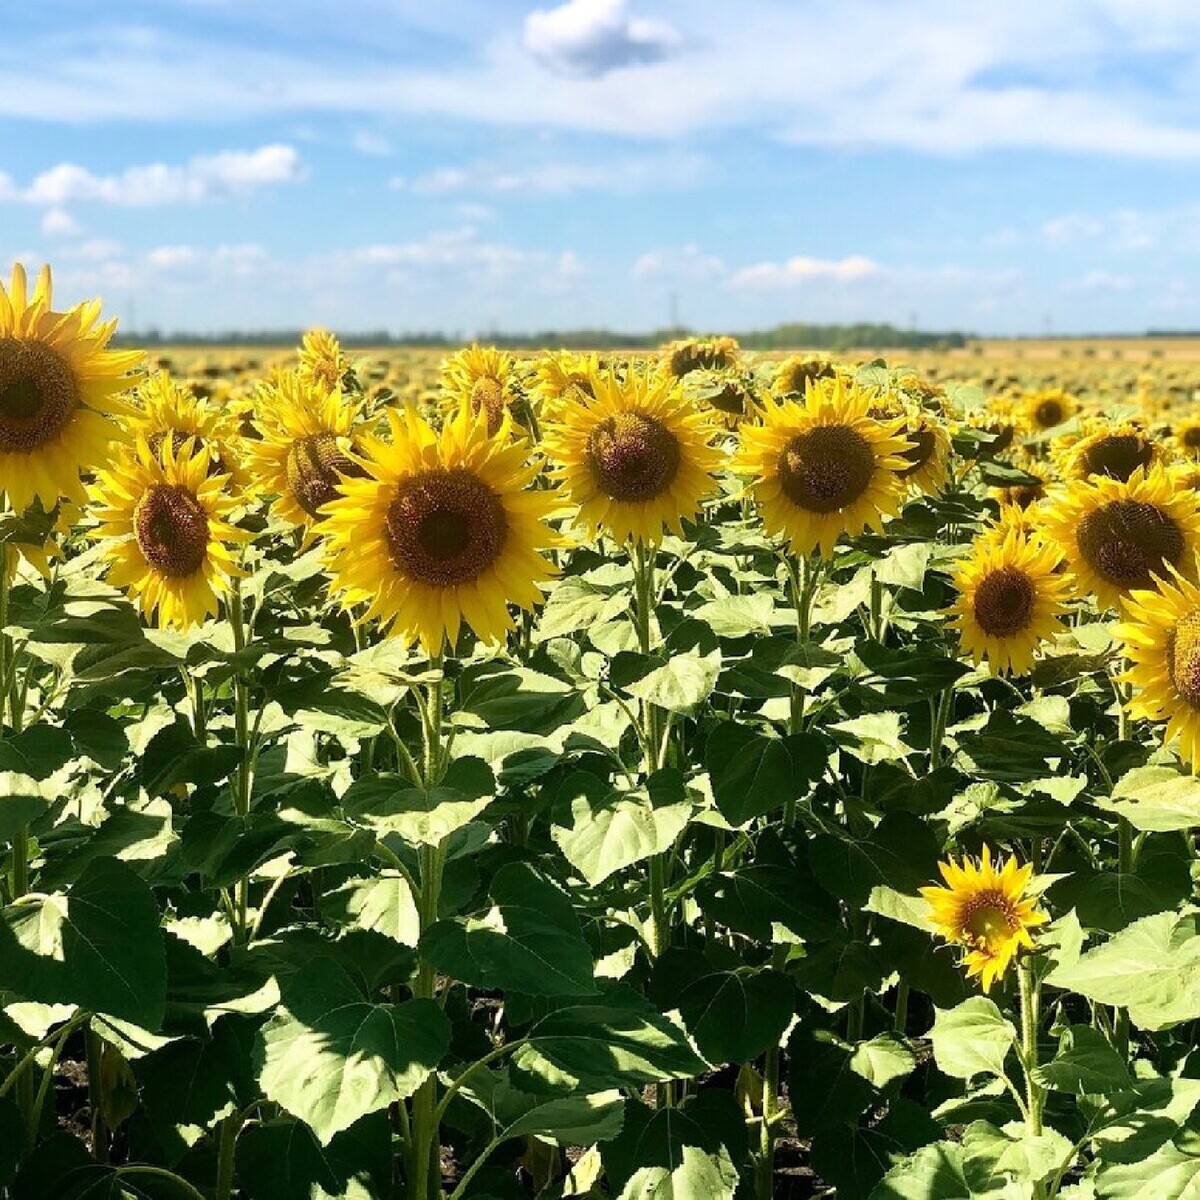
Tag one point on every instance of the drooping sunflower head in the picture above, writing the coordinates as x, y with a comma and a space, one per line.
637, 458
170, 411
1028, 493
305, 448
927, 459
1161, 637
1116, 536
796, 372
164, 519
824, 467
563, 379
59, 385
485, 378
680, 358
984, 909
443, 530
1047, 409
1000, 420
322, 361
1111, 450
727, 396
1011, 598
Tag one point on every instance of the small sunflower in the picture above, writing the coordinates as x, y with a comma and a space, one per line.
823, 467
1000, 420
1010, 599
636, 458
730, 398
680, 358
322, 362
1111, 450
793, 374
984, 909
927, 460
563, 379
59, 384
305, 448
171, 411
484, 376
1115, 536
169, 541
443, 530
1186, 436
1047, 409
1161, 633
1025, 495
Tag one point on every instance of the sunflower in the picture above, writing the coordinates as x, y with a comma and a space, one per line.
793, 374
680, 358
304, 451
1010, 600
486, 377
443, 530
823, 467
1116, 535
33, 537
1047, 409
165, 520
1000, 420
1028, 494
927, 460
59, 383
322, 362
171, 411
636, 457
1112, 450
983, 908
1186, 436
562, 379
1161, 634
728, 397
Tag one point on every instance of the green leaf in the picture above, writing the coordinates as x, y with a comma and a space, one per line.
383, 904
1156, 799
738, 616
755, 899
736, 1015
753, 774
683, 683
884, 1059
329, 1056
1152, 968
932, 1173
602, 830
576, 605
972, 1038
37, 751
991, 1155
901, 853
1085, 1063
873, 737
22, 800
98, 945
528, 941
573, 1120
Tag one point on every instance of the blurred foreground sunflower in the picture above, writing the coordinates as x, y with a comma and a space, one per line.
984, 909
1047, 409
443, 530
169, 542
59, 384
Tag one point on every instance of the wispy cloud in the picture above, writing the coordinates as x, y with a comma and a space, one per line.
802, 269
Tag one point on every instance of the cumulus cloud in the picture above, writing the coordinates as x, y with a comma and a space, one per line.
58, 223
801, 269
205, 177
677, 264
589, 38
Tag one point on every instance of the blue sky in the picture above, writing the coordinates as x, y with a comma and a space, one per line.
520, 164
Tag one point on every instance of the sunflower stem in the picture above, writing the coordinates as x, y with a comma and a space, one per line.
770, 1103
1034, 1095
243, 781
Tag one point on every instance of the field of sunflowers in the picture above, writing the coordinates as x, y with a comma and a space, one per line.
647, 777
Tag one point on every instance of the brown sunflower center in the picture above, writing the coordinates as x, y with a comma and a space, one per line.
1023, 495
633, 457
919, 453
315, 465
1191, 437
38, 395
1004, 602
800, 373
1183, 657
172, 530
1125, 540
1049, 412
1004, 434
827, 468
488, 396
1117, 456
445, 527
988, 919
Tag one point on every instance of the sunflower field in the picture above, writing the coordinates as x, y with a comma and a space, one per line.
645, 777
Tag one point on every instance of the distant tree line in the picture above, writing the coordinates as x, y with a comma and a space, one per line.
782, 337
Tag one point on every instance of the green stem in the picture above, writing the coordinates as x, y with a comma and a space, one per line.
1030, 998
457, 1085
243, 781
900, 1024
160, 1173
941, 718
770, 1103
95, 1080
226, 1152
660, 931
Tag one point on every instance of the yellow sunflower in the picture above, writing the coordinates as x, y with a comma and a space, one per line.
1010, 599
636, 457
165, 521
1161, 634
927, 460
823, 467
305, 448
1111, 450
484, 376
33, 537
171, 411
1047, 409
1186, 436
984, 909
1116, 535
322, 362
1000, 420
1025, 495
444, 529
563, 378
793, 374
680, 358
59, 384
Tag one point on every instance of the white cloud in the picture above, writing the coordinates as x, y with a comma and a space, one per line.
1128, 229
589, 38
58, 223
802, 269
373, 145
205, 177
677, 264
1100, 281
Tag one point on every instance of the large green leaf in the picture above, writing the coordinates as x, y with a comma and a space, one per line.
529, 940
1157, 799
22, 799
735, 1015
1085, 1063
972, 1039
753, 774
932, 1173
98, 945
682, 683
329, 1056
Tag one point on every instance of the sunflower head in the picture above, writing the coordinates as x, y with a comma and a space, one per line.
59, 384
164, 519
1186, 436
636, 457
681, 357
1114, 451
322, 361
1025, 495
1011, 598
483, 377
1116, 536
563, 379
795, 373
927, 459
1047, 409
984, 909
443, 530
